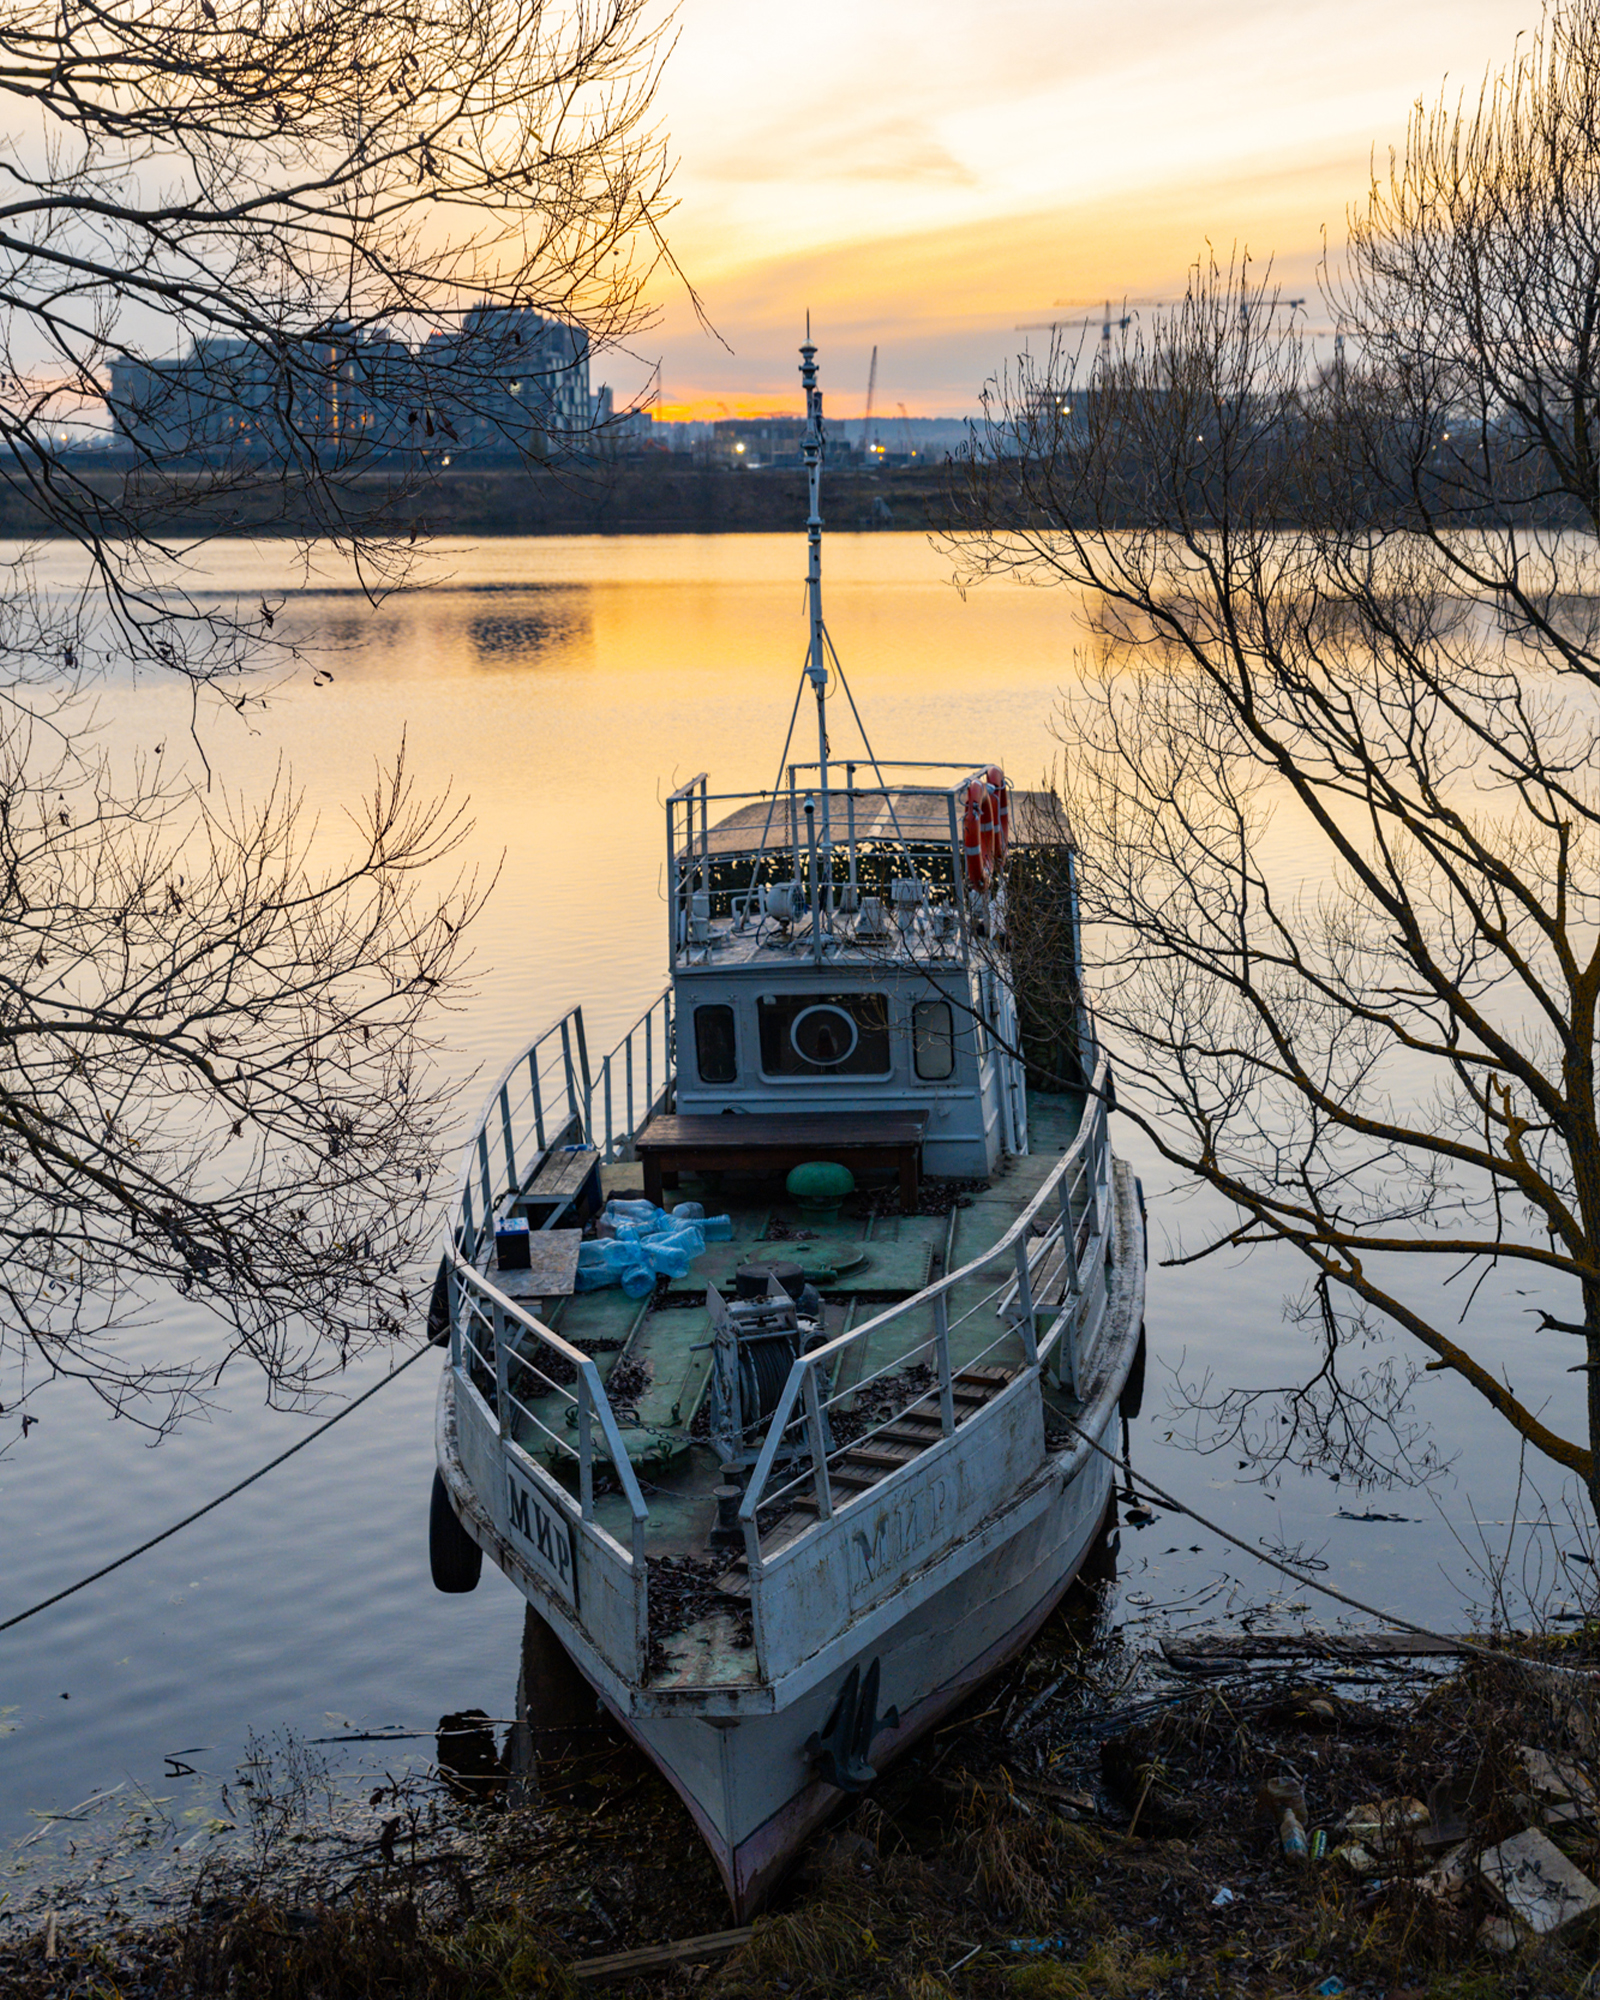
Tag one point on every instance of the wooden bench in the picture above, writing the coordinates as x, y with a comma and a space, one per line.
765, 1144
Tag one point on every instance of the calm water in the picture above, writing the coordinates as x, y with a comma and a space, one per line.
566, 687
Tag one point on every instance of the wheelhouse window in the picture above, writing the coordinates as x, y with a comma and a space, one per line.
716, 1052
840, 1034
933, 1040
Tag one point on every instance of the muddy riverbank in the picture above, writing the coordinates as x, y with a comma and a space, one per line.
1093, 1823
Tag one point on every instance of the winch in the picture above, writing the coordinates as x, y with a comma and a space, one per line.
757, 1337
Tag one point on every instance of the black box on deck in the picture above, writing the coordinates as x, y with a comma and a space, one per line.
512, 1249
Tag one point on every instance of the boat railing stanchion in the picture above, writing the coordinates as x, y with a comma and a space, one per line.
585, 1447
583, 1065
538, 1095
811, 855
627, 1076
641, 1597
505, 1133
1026, 1325
566, 1060
850, 825
941, 1348
485, 1176
818, 1432
502, 1386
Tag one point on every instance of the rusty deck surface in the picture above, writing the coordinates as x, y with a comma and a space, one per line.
859, 1262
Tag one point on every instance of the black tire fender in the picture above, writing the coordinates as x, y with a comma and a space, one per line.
454, 1558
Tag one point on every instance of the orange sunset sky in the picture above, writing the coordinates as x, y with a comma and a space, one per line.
928, 176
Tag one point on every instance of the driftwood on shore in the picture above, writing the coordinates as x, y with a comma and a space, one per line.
1209, 1652
656, 1957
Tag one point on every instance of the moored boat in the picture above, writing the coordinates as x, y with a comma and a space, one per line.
782, 1340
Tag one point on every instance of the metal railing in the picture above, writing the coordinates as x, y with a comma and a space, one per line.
547, 1401
635, 1081
548, 1097
1060, 1236
715, 869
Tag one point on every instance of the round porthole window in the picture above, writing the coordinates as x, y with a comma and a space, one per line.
823, 1036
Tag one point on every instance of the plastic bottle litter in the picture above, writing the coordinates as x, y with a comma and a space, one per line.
623, 1211
641, 1243
1284, 1802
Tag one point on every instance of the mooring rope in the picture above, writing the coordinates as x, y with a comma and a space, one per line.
1451, 1642
260, 1473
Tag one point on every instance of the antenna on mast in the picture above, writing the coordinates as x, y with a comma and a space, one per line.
816, 653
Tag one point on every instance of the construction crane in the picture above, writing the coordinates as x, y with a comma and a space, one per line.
1131, 308
905, 431
1105, 321
866, 421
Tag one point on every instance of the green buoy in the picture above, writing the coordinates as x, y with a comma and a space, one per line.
819, 1187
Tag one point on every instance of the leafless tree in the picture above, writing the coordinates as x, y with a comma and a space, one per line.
296, 244
1334, 760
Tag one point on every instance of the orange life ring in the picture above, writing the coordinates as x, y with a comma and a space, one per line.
1002, 800
978, 830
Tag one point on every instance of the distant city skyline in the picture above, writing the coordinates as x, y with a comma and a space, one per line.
926, 183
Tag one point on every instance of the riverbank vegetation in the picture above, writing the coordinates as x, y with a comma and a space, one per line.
1092, 1824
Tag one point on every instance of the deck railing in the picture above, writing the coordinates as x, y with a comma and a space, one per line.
549, 1097
714, 869
635, 1081
1060, 1236
515, 1362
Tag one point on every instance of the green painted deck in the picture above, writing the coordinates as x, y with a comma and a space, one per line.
860, 1265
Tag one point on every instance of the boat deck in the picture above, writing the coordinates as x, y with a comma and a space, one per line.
654, 1354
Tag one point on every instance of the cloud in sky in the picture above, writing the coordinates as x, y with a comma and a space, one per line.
926, 178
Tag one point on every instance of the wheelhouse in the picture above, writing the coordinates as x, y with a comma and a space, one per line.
850, 950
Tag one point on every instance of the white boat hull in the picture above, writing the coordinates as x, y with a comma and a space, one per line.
743, 1757
750, 1784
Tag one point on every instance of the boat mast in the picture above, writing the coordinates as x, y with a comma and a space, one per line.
816, 657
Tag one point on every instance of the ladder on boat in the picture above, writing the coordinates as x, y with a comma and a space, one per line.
856, 1468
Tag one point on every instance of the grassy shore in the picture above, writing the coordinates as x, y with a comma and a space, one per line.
1071, 1835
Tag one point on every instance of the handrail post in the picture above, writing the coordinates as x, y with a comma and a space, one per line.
585, 1450
941, 1348
566, 1058
605, 1079
1026, 1326
819, 1451
502, 1385
1069, 1236
1094, 1164
641, 1598
505, 1133
485, 1176
627, 1067
454, 1293
538, 1096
